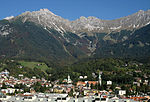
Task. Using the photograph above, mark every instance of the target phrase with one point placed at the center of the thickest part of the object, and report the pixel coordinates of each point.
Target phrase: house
(90, 92)
(89, 84)
(85, 77)
(109, 82)
(58, 90)
(4, 98)
(121, 92)
(145, 82)
(32, 91)
(1, 84)
(138, 99)
(93, 82)
(80, 77)
(136, 83)
(86, 83)
(138, 79)
(65, 81)
(80, 83)
(29, 98)
(8, 90)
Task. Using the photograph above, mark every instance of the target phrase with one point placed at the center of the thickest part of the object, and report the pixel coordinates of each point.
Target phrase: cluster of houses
(11, 81)
(81, 92)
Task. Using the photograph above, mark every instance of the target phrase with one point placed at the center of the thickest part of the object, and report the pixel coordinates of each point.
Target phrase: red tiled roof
(80, 83)
(137, 98)
(92, 82)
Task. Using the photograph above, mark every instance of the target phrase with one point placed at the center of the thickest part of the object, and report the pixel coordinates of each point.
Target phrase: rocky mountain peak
(141, 11)
(89, 24)
(9, 18)
(47, 11)
(34, 14)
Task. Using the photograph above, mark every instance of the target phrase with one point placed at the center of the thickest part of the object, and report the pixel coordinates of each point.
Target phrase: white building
(85, 77)
(5, 98)
(29, 98)
(109, 82)
(80, 77)
(121, 92)
(8, 90)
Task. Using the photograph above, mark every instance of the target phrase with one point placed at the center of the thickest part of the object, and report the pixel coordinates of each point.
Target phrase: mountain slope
(30, 41)
(42, 35)
(126, 44)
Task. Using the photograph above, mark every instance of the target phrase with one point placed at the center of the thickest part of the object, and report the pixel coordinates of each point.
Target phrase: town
(75, 51)
(34, 89)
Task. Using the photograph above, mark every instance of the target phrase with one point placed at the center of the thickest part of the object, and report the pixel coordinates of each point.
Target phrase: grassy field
(39, 65)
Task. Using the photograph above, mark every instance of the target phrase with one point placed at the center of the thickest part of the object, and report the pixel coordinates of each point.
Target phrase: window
(97, 99)
(103, 99)
(63, 98)
(58, 98)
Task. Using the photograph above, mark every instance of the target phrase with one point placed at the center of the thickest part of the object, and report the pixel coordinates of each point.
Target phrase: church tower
(69, 80)
(100, 79)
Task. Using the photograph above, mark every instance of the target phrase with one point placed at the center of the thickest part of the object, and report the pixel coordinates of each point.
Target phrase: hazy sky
(73, 9)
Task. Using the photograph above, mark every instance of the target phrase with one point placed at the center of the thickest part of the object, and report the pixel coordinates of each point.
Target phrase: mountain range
(42, 35)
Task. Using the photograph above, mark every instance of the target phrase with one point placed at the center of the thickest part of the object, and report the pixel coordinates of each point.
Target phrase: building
(100, 79)
(69, 81)
(109, 82)
(121, 92)
(80, 83)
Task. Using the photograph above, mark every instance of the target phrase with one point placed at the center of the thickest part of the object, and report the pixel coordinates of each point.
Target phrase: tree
(37, 86)
(43, 89)
(92, 86)
(19, 86)
(71, 93)
(4, 86)
(26, 89)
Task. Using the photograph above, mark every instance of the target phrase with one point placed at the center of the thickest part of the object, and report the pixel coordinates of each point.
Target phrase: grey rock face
(48, 19)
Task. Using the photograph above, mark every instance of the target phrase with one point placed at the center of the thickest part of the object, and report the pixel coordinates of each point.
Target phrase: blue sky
(73, 9)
